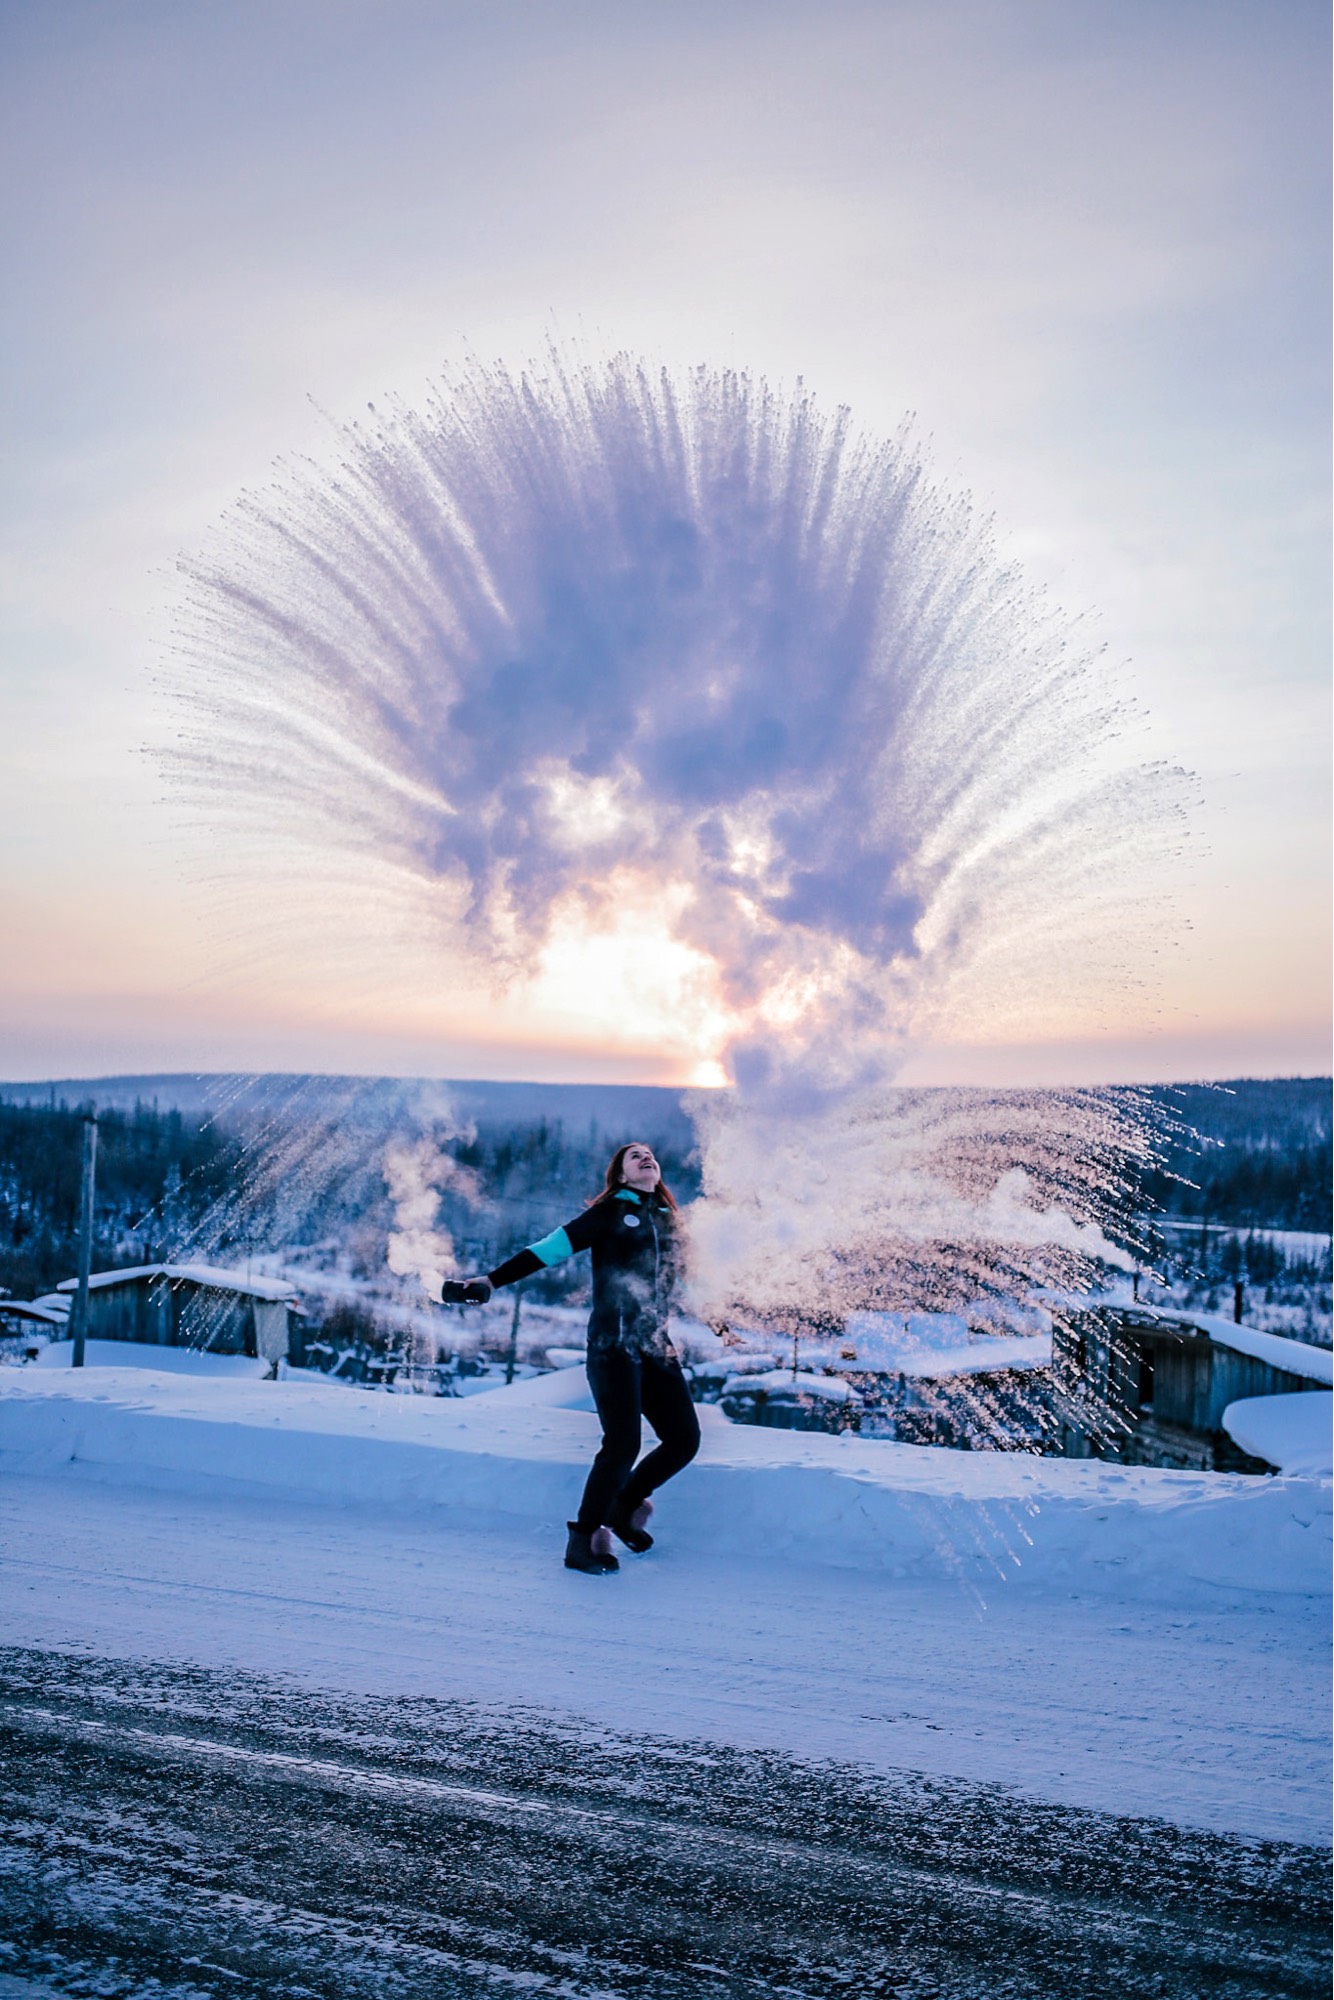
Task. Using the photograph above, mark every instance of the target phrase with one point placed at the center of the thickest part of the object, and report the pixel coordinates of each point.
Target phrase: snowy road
(1212, 1711)
(182, 1833)
(298, 1700)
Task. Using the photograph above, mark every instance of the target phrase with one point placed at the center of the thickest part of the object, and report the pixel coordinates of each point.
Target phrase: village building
(968, 1382)
(26, 1325)
(1149, 1385)
(781, 1400)
(969, 1401)
(201, 1306)
(1139, 1384)
(974, 1384)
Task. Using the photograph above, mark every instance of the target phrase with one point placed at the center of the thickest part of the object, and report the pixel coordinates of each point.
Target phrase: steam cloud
(416, 1171)
(590, 634)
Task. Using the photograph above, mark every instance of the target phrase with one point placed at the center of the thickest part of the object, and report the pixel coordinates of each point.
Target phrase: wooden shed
(919, 1377)
(1148, 1386)
(191, 1305)
(26, 1325)
(973, 1383)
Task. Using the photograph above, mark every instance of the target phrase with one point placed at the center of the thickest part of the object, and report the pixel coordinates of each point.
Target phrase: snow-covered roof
(782, 1381)
(32, 1309)
(100, 1279)
(1293, 1432)
(211, 1275)
(929, 1345)
(722, 1367)
(233, 1281)
(1009, 1316)
(1295, 1357)
(980, 1357)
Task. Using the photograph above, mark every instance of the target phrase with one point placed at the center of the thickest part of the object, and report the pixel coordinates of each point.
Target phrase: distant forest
(1249, 1154)
(185, 1187)
(157, 1172)
(181, 1185)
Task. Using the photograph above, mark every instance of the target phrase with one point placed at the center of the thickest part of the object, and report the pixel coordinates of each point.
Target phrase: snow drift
(879, 1508)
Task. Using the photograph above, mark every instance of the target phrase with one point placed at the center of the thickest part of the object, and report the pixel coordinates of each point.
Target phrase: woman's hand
(475, 1292)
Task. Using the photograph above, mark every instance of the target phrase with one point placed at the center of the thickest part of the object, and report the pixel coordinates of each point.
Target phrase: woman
(633, 1370)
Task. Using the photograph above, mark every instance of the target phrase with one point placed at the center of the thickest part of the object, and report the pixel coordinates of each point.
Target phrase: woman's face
(639, 1169)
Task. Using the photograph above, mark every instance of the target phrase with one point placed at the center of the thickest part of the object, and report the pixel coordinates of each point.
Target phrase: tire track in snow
(180, 1833)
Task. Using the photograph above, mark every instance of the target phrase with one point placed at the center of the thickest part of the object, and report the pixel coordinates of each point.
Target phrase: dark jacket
(634, 1242)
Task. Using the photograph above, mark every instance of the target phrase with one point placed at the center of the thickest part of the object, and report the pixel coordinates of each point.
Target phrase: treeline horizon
(178, 1186)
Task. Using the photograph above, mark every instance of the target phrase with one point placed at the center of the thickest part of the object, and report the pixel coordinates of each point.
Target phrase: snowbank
(843, 1502)
(1295, 1433)
(135, 1354)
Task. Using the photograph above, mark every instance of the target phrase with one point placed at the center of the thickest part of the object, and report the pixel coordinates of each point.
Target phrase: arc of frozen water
(590, 632)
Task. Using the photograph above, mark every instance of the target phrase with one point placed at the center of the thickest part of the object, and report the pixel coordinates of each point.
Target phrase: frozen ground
(187, 1835)
(121, 1354)
(1116, 1639)
(298, 1703)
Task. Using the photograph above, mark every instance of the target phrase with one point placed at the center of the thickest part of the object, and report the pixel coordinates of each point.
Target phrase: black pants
(625, 1387)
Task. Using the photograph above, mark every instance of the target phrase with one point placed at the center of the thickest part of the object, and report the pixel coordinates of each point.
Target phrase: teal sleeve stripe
(553, 1249)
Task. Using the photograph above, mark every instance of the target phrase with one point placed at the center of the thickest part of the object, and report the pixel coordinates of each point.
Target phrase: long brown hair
(614, 1182)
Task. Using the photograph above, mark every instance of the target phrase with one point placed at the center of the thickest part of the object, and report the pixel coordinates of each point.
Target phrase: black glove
(476, 1292)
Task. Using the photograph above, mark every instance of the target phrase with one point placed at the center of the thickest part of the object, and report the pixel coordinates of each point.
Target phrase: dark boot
(629, 1524)
(590, 1552)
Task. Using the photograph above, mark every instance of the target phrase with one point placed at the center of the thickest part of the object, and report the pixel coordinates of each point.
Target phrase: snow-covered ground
(118, 1354)
(1106, 1636)
(1297, 1246)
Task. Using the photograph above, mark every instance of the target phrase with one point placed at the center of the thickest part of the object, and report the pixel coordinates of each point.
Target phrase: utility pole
(89, 1177)
(513, 1355)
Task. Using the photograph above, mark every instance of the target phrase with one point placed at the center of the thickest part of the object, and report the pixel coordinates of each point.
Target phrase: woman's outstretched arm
(540, 1256)
(548, 1250)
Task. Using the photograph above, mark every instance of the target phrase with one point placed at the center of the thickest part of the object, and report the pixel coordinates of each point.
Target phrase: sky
(1085, 246)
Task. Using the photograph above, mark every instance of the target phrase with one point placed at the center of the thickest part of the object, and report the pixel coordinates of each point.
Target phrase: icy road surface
(181, 1833)
(1213, 1711)
(299, 1700)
